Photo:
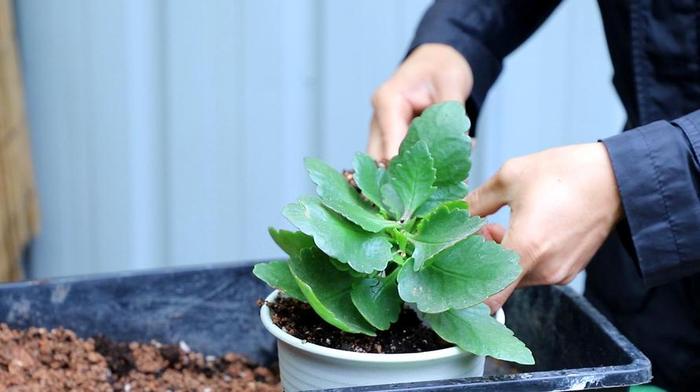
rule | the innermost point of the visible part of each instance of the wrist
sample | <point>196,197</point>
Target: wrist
<point>447,63</point>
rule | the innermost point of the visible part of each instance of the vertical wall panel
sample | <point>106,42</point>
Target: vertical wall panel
<point>240,118</point>
<point>363,43</point>
<point>54,109</point>
<point>203,127</point>
<point>264,154</point>
<point>105,131</point>
<point>280,90</point>
<point>146,156</point>
<point>91,87</point>
<point>299,131</point>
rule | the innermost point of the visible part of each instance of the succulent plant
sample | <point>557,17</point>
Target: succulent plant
<point>400,236</point>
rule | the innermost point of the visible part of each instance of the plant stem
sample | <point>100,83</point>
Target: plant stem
<point>398,258</point>
<point>393,274</point>
<point>400,238</point>
<point>408,226</point>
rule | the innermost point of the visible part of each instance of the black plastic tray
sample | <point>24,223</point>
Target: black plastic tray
<point>213,310</point>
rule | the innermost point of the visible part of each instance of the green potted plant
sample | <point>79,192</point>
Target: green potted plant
<point>381,243</point>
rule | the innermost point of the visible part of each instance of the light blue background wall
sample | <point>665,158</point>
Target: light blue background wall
<point>172,132</point>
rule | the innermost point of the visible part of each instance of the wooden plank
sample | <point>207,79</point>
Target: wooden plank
<point>18,207</point>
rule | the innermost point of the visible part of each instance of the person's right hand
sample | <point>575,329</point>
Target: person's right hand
<point>432,73</point>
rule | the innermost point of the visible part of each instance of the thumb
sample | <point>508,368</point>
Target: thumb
<point>512,240</point>
<point>497,300</point>
<point>488,198</point>
<point>393,114</point>
<point>450,92</point>
<point>493,232</point>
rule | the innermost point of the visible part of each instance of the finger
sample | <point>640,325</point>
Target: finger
<point>488,198</point>
<point>509,241</point>
<point>393,116</point>
<point>374,145</point>
<point>486,233</point>
<point>497,300</point>
<point>449,92</point>
<point>493,232</point>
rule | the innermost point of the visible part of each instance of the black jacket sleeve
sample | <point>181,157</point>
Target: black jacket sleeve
<point>484,32</point>
<point>657,168</point>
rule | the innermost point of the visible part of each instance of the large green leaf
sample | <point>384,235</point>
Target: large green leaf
<point>277,274</point>
<point>369,177</point>
<point>346,268</point>
<point>378,300</point>
<point>443,127</point>
<point>391,200</point>
<point>441,229</point>
<point>291,242</point>
<point>460,276</point>
<point>328,291</point>
<point>475,331</point>
<point>341,197</point>
<point>339,238</point>
<point>411,175</point>
<point>443,194</point>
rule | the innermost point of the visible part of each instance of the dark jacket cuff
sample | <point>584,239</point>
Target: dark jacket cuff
<point>657,175</point>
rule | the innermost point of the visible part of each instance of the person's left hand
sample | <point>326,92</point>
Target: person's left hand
<point>564,202</point>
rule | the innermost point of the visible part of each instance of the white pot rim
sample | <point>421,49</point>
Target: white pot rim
<point>355,356</point>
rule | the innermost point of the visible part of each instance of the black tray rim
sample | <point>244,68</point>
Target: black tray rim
<point>638,371</point>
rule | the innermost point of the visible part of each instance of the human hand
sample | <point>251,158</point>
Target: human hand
<point>564,202</point>
<point>431,73</point>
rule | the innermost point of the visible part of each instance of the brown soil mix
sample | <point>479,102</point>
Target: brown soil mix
<point>407,335</point>
<point>37,359</point>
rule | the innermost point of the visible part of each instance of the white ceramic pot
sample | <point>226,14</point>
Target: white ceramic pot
<point>306,365</point>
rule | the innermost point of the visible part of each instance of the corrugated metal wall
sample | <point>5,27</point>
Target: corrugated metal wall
<point>172,132</point>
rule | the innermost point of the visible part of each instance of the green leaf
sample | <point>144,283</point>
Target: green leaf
<point>364,252</point>
<point>346,268</point>
<point>411,175</point>
<point>328,291</point>
<point>456,205</point>
<point>475,331</point>
<point>444,227</point>
<point>378,300</point>
<point>341,197</point>
<point>443,194</point>
<point>391,200</point>
<point>400,237</point>
<point>277,274</point>
<point>460,276</point>
<point>369,177</point>
<point>443,127</point>
<point>291,242</point>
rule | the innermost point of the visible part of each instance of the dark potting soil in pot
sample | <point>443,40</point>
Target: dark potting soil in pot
<point>407,335</point>
<point>37,359</point>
